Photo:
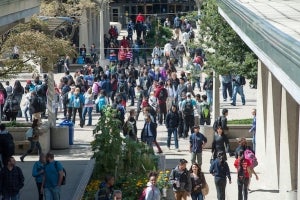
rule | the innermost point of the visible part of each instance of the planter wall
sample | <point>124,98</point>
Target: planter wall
<point>22,145</point>
<point>235,131</point>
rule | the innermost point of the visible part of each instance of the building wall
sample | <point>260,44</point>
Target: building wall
<point>15,10</point>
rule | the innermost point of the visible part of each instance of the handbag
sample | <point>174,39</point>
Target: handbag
<point>205,189</point>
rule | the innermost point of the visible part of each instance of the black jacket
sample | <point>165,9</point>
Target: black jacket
<point>172,119</point>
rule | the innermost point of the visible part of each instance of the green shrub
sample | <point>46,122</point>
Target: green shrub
<point>240,121</point>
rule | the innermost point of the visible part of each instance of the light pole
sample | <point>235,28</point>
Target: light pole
<point>101,4</point>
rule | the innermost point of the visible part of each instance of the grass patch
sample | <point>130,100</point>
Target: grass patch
<point>16,124</point>
<point>240,121</point>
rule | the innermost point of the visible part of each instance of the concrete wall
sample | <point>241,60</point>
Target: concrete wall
<point>15,10</point>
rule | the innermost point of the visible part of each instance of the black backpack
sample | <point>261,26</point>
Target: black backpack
<point>188,108</point>
<point>163,94</point>
<point>122,87</point>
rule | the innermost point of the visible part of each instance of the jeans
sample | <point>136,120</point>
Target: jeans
<point>196,82</point>
<point>33,144</point>
<point>11,197</point>
<point>220,186</point>
<point>52,193</point>
<point>243,188</point>
<point>197,196</point>
<point>174,132</point>
<point>238,89</point>
<point>180,195</point>
<point>89,111</point>
<point>254,140</point>
<point>209,94</point>
<point>80,115</point>
<point>26,115</point>
<point>198,156</point>
<point>225,87</point>
<point>136,57</point>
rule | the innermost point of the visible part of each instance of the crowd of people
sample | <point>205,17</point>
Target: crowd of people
<point>165,96</point>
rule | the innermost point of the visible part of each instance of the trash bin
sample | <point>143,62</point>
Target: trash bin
<point>59,137</point>
<point>71,130</point>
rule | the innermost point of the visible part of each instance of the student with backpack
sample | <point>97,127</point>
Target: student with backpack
<point>54,174</point>
<point>238,83</point>
<point>244,170</point>
<point>11,107</point>
<point>187,108</point>
<point>208,87</point>
<point>204,111</point>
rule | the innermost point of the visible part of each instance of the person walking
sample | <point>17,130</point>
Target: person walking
<point>161,94</point>
<point>130,128</point>
<point>208,87</point>
<point>226,86</point>
<point>149,131</point>
<point>253,129</point>
<point>204,111</point>
<point>38,170</point>
<point>181,180</point>
<point>220,143</point>
<point>3,96</point>
<point>7,146</point>
<point>187,108</point>
<point>244,171</point>
<point>197,142</point>
<point>172,123</point>
<point>33,135</point>
<point>220,170</point>
<point>152,191</point>
<point>198,182</point>
<point>52,180</point>
<point>11,180</point>
<point>238,88</point>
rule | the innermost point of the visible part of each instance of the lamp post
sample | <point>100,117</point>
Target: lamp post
<point>101,4</point>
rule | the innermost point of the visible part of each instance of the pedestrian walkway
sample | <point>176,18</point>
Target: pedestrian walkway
<point>77,163</point>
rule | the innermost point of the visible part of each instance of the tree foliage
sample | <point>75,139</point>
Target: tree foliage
<point>225,51</point>
<point>114,153</point>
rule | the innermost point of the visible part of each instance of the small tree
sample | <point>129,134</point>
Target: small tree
<point>114,153</point>
<point>226,52</point>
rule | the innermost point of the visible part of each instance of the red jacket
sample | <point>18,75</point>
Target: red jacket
<point>246,164</point>
<point>140,18</point>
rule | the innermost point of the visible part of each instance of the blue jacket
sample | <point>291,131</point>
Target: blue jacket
<point>36,171</point>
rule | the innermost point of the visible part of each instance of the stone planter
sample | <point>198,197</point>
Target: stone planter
<point>22,145</point>
<point>235,131</point>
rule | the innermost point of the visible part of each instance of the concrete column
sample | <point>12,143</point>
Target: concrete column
<point>216,97</point>
<point>261,113</point>
<point>101,55</point>
<point>83,29</point>
<point>273,133</point>
<point>107,18</point>
<point>50,100</point>
<point>288,146</point>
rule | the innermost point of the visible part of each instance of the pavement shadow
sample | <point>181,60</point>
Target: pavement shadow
<point>263,190</point>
